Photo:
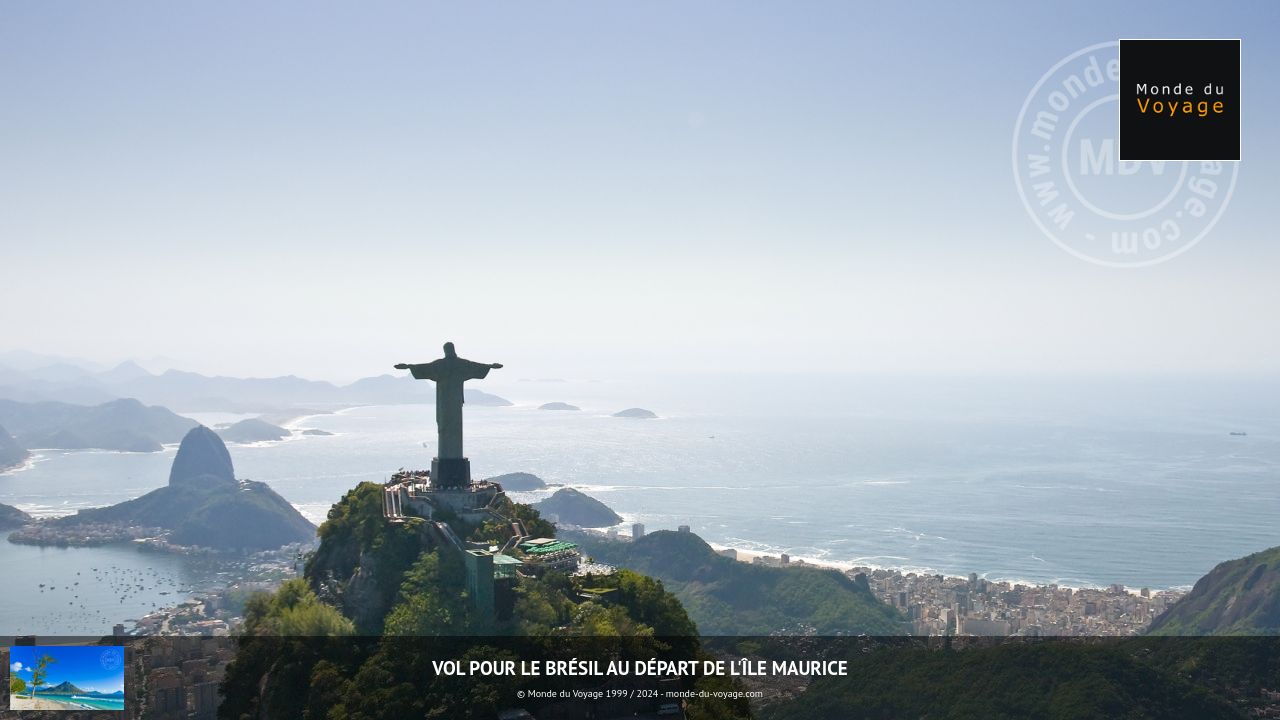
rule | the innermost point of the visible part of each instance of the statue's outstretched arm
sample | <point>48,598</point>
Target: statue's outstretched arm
<point>495,366</point>
<point>402,366</point>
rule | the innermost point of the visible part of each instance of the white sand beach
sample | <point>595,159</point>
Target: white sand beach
<point>23,702</point>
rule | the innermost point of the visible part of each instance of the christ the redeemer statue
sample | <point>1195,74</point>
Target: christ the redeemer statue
<point>450,468</point>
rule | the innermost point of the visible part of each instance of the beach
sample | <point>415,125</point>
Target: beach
<point>19,702</point>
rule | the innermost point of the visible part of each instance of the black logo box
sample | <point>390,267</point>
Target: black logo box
<point>1185,67</point>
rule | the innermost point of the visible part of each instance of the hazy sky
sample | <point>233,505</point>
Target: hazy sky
<point>326,189</point>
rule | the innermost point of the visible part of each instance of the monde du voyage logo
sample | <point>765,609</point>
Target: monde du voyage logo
<point>1124,152</point>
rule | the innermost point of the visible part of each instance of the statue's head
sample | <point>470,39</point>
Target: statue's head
<point>449,351</point>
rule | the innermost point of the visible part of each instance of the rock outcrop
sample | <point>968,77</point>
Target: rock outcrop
<point>519,481</point>
<point>577,508</point>
<point>203,506</point>
<point>202,460</point>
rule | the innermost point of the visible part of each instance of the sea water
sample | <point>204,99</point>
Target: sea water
<point>1084,482</point>
<point>94,703</point>
<point>86,591</point>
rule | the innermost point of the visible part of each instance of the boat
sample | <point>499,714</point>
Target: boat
<point>1239,434</point>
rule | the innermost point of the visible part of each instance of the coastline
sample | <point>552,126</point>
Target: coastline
<point>936,604</point>
<point>293,422</point>
<point>750,556</point>
<point>33,457</point>
<point>845,566</point>
<point>18,702</point>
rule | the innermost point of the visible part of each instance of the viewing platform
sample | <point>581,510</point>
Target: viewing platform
<point>410,493</point>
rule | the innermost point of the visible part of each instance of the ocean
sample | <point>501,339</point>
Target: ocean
<point>93,703</point>
<point>1083,482</point>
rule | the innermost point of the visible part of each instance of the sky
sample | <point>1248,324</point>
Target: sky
<point>579,189</point>
<point>88,668</point>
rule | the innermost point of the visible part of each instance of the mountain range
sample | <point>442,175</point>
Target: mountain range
<point>124,424</point>
<point>48,402</point>
<point>61,381</point>
<point>12,454</point>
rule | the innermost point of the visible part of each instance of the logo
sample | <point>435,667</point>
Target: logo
<point>1092,204</point>
<point>1180,99</point>
<point>111,658</point>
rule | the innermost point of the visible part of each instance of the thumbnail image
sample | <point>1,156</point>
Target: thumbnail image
<point>51,677</point>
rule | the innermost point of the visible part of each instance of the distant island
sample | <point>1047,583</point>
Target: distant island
<point>577,508</point>
<point>317,432</point>
<point>125,425</point>
<point>203,506</point>
<point>639,413</point>
<point>519,481</point>
<point>253,430</point>
<point>11,517</point>
<point>558,406</point>
<point>11,453</point>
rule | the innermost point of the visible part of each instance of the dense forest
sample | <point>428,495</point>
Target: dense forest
<point>354,639</point>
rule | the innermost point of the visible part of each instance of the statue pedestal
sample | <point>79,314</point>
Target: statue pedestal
<point>450,472</point>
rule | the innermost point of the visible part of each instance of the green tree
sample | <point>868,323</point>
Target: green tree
<point>294,611</point>
<point>432,599</point>
<point>40,673</point>
<point>16,685</point>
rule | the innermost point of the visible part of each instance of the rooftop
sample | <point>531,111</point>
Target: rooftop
<point>535,548</point>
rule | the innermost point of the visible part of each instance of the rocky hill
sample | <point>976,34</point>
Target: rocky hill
<point>409,600</point>
<point>62,688</point>
<point>728,597</point>
<point>11,517</point>
<point>11,453</point>
<point>1238,597</point>
<point>253,430</point>
<point>519,481</point>
<point>203,505</point>
<point>125,424</point>
<point>202,460</point>
<point>576,508</point>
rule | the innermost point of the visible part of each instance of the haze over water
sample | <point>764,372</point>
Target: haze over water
<point>1087,482</point>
